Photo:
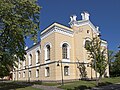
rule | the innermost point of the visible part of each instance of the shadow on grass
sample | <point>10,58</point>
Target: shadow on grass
<point>82,87</point>
<point>104,84</point>
<point>16,85</point>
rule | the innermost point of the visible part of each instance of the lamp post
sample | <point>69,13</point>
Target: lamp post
<point>61,70</point>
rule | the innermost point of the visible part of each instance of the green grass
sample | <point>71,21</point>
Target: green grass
<point>16,86</point>
<point>112,80</point>
<point>81,85</point>
<point>76,85</point>
<point>28,88</point>
<point>50,84</point>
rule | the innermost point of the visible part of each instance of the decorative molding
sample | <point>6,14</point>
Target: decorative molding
<point>86,38</point>
<point>48,43</point>
<point>58,30</point>
<point>66,60</point>
<point>65,42</point>
<point>84,22</point>
<point>104,43</point>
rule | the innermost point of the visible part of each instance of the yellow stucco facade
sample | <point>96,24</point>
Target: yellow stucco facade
<point>57,55</point>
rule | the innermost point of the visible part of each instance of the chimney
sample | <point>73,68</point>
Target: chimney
<point>85,16</point>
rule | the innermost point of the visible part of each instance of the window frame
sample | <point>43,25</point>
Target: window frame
<point>66,68</point>
<point>47,71</point>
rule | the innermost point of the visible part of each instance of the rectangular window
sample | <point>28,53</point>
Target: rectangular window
<point>47,72</point>
<point>37,73</point>
<point>29,73</point>
<point>23,74</point>
<point>66,70</point>
<point>19,74</point>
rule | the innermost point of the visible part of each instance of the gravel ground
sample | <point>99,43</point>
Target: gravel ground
<point>46,87</point>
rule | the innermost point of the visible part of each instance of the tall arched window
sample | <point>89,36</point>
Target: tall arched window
<point>30,59</point>
<point>48,52</point>
<point>38,56</point>
<point>65,51</point>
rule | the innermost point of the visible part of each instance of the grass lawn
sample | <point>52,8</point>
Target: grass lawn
<point>76,85</point>
<point>81,85</point>
<point>28,88</point>
<point>16,86</point>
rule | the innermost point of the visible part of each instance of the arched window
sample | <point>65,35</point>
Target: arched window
<point>38,56</point>
<point>30,59</point>
<point>66,70</point>
<point>65,51</point>
<point>47,52</point>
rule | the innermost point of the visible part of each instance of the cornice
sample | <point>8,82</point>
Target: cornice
<point>57,28</point>
<point>84,22</point>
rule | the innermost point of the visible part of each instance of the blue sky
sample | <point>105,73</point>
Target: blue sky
<point>103,13</point>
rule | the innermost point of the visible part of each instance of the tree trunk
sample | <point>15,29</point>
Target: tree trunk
<point>98,80</point>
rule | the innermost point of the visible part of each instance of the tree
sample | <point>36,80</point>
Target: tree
<point>98,56</point>
<point>19,19</point>
<point>82,69</point>
<point>111,57</point>
<point>115,68</point>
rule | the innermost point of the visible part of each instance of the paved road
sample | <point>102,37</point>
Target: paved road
<point>108,87</point>
<point>46,87</point>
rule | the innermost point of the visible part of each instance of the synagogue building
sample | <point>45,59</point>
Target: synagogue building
<point>59,52</point>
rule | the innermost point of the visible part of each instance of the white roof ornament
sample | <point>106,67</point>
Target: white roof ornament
<point>26,48</point>
<point>97,28</point>
<point>34,43</point>
<point>85,16</point>
<point>73,18</point>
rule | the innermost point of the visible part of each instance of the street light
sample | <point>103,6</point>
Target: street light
<point>61,70</point>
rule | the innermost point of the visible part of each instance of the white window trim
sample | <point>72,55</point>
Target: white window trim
<point>36,54</point>
<point>45,50</point>
<point>37,73</point>
<point>46,74</point>
<point>68,71</point>
<point>30,73</point>
<point>68,51</point>
<point>87,38</point>
<point>23,74</point>
<point>19,74</point>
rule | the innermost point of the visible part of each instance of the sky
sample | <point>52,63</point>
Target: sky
<point>103,13</point>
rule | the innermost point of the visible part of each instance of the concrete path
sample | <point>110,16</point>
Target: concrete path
<point>108,87</point>
<point>46,87</point>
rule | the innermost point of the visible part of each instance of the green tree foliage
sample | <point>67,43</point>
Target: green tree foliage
<point>115,67</point>
<point>98,56</point>
<point>82,69</point>
<point>111,58</point>
<point>19,19</point>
